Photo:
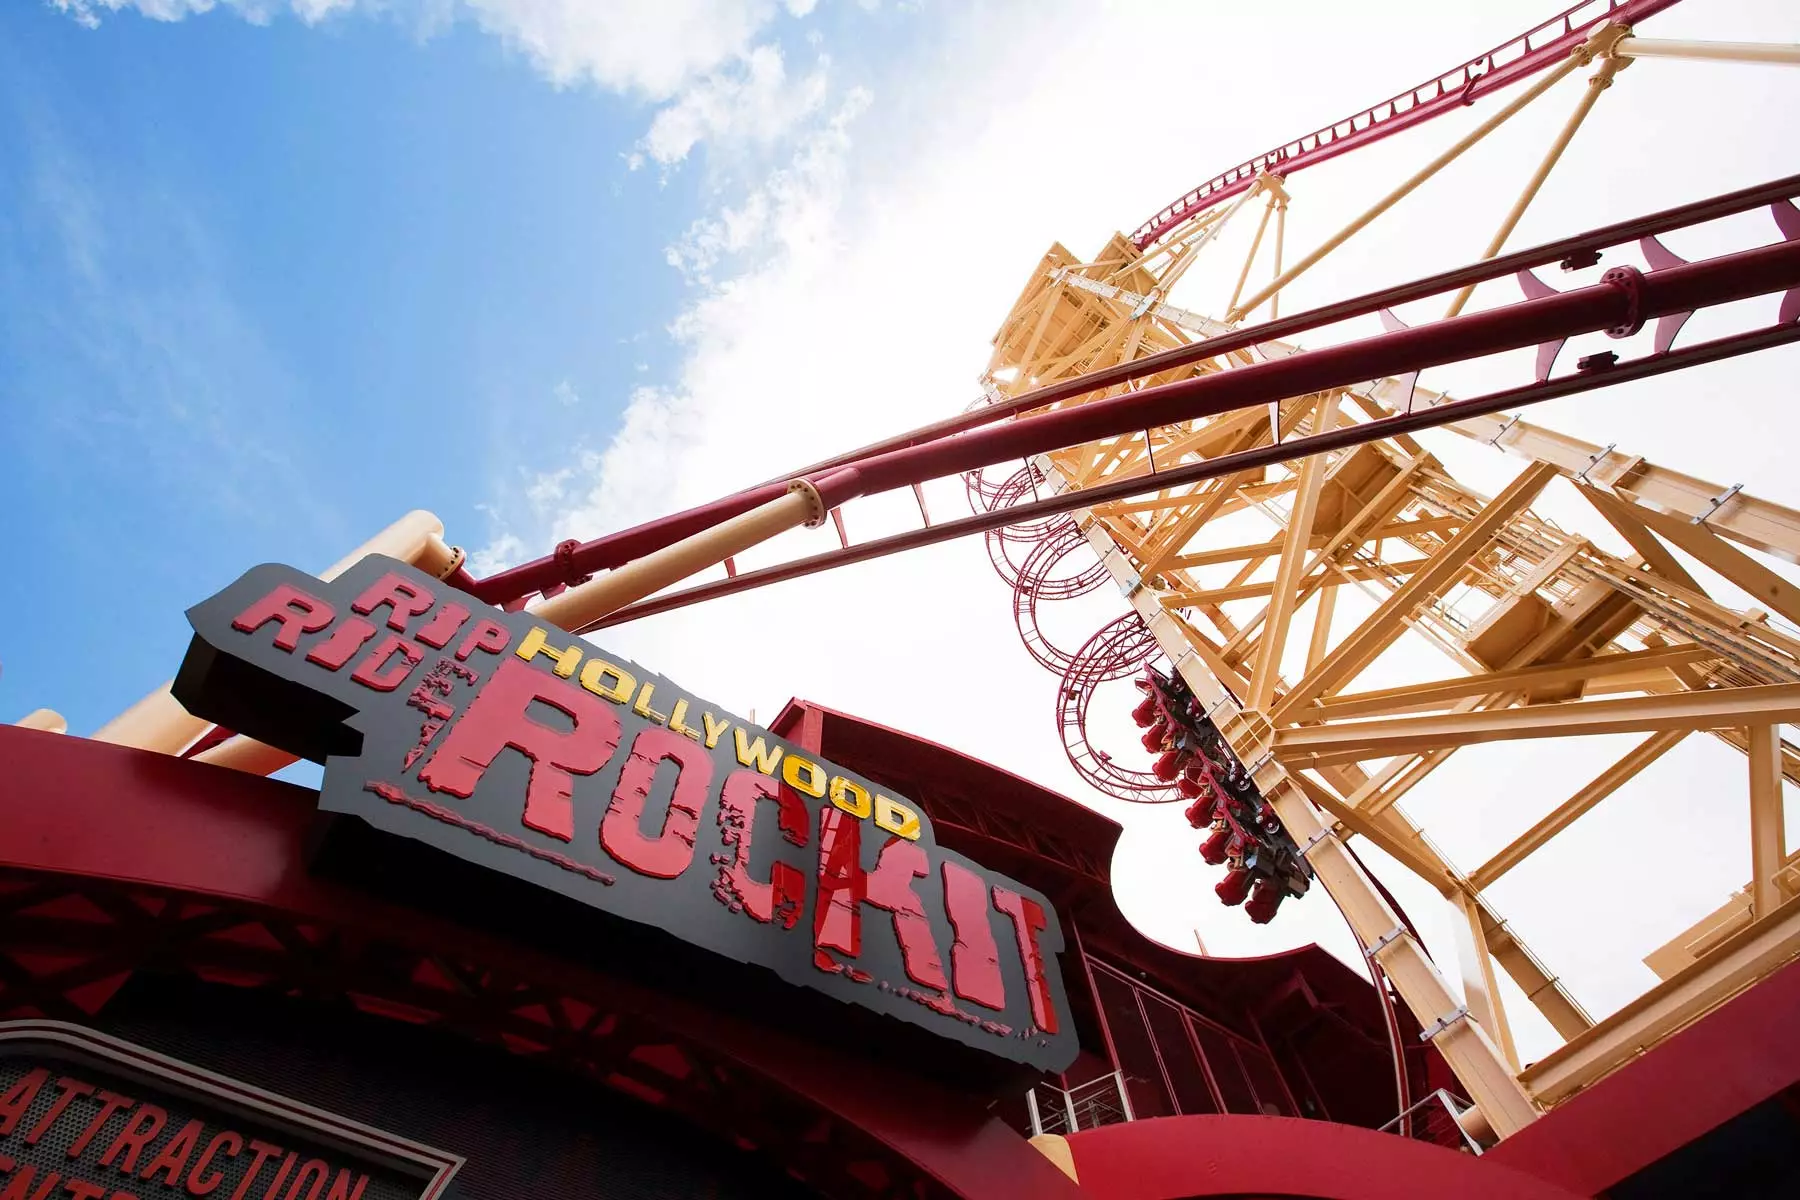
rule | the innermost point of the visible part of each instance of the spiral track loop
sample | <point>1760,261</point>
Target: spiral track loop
<point>1037,582</point>
<point>983,492</point>
<point>1119,649</point>
<point>1010,545</point>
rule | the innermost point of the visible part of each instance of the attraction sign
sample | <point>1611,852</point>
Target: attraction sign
<point>502,740</point>
<point>91,1117</point>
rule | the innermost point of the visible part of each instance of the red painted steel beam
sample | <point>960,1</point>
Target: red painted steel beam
<point>1518,58</point>
<point>1604,238</point>
<point>1604,305</point>
<point>617,548</point>
<point>1263,456</point>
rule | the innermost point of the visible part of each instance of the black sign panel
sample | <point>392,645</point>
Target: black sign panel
<point>90,1117</point>
<point>509,743</point>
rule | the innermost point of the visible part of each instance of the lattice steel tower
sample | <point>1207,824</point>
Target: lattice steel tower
<point>1257,697</point>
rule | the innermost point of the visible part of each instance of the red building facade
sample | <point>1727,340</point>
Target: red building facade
<point>171,914</point>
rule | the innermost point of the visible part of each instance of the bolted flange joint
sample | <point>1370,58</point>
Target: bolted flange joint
<point>457,558</point>
<point>1630,281</point>
<point>816,511</point>
<point>564,555</point>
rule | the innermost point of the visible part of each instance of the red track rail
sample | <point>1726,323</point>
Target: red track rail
<point>1715,350</point>
<point>611,550</point>
<point>1120,648</point>
<point>1532,51</point>
<point>1604,305</point>
<point>1039,580</point>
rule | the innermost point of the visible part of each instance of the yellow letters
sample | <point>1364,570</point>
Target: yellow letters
<point>795,766</point>
<point>534,645</point>
<point>852,798</point>
<point>642,707</point>
<point>756,754</point>
<point>615,683</point>
<point>678,720</point>
<point>619,691</point>
<point>896,818</point>
<point>715,729</point>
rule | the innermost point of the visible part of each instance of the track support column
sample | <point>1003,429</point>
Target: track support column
<point>1479,1064</point>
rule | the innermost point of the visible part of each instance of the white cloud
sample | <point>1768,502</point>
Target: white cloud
<point>549,488</point>
<point>317,10</point>
<point>88,12</point>
<point>503,551</point>
<point>791,213</point>
<point>699,58</point>
<point>653,47</point>
<point>749,103</point>
<point>625,481</point>
<point>564,393</point>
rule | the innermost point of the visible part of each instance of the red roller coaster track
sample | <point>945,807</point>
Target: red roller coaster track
<point>517,584</point>
<point>1536,49</point>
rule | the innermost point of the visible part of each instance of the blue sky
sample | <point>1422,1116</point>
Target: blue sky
<point>266,286</point>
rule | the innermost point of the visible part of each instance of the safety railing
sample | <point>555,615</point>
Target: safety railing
<point>1435,1119</point>
<point>1532,51</point>
<point>1100,1101</point>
